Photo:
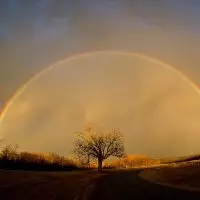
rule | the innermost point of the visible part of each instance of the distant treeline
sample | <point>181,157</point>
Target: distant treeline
<point>11,159</point>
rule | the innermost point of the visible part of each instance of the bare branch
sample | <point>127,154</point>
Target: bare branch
<point>93,145</point>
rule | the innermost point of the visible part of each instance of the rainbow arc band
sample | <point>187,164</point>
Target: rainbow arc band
<point>90,54</point>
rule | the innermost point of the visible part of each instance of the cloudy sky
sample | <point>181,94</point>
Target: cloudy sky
<point>35,34</point>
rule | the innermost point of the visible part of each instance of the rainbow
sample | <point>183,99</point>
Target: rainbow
<point>88,54</point>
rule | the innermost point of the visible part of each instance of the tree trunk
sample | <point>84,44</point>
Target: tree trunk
<point>100,161</point>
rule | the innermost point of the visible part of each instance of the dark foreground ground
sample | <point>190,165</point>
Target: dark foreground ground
<point>27,185</point>
<point>122,185</point>
<point>111,185</point>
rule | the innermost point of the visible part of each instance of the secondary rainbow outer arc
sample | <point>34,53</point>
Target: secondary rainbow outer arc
<point>87,54</point>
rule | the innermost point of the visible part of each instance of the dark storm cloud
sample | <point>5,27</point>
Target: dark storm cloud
<point>34,34</point>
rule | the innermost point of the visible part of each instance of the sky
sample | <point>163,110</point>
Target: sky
<point>154,107</point>
<point>35,34</point>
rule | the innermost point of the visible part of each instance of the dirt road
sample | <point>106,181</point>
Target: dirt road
<point>86,185</point>
<point>126,185</point>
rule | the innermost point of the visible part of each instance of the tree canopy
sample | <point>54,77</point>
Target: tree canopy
<point>91,144</point>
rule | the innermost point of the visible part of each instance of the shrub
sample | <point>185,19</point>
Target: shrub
<point>11,159</point>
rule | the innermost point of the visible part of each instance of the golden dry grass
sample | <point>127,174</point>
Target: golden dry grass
<point>182,175</point>
<point>132,161</point>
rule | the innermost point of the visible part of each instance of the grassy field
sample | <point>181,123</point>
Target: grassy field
<point>181,159</point>
<point>78,184</point>
<point>184,175</point>
<point>26,185</point>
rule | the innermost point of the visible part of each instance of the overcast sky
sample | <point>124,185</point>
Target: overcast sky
<point>157,111</point>
<point>37,33</point>
<point>34,34</point>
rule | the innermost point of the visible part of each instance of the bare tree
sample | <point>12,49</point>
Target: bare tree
<point>93,145</point>
<point>9,152</point>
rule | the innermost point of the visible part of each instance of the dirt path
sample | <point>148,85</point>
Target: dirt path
<point>116,185</point>
<point>122,185</point>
